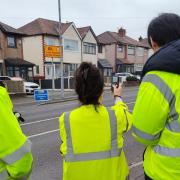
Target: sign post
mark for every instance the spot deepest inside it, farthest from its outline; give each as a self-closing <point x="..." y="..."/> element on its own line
<point x="60" y="44"/>
<point x="53" y="84"/>
<point x="41" y="95"/>
<point x="53" y="52"/>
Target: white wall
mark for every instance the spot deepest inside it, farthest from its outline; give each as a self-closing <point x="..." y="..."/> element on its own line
<point x="73" y="57"/>
<point x="33" y="51"/>
<point x="102" y="55"/>
<point x="89" y="38"/>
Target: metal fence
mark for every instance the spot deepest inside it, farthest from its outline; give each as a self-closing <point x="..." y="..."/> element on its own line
<point x="47" y="83"/>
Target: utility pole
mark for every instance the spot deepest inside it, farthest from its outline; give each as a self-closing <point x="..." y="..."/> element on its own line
<point x="60" y="45"/>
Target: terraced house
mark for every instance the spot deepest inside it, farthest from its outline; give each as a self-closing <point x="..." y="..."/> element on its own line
<point x="41" y="32"/>
<point x="89" y="44"/>
<point x="12" y="61"/>
<point x="123" y="53"/>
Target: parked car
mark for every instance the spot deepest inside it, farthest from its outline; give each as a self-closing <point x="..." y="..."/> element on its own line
<point x="124" y="75"/>
<point x="29" y="87"/>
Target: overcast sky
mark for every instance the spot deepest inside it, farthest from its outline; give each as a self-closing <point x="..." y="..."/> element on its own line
<point x="102" y="15"/>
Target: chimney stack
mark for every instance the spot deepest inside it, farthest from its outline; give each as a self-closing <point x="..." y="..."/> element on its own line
<point x="122" y="32"/>
<point x="140" y="38"/>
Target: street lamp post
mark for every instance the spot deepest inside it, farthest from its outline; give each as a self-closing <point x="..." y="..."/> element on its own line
<point x="60" y="45"/>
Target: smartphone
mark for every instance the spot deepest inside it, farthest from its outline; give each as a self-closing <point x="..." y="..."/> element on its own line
<point x="115" y="81"/>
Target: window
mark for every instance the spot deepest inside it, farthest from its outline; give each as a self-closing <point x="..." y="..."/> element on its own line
<point x="11" y="42"/>
<point x="120" y="48"/>
<point x="107" y="72"/>
<point x="89" y="48"/>
<point x="71" y="45"/>
<point x="51" y="41"/>
<point x="17" y="71"/>
<point x="131" y="50"/>
<point x="138" y="67"/>
<point x="10" y="71"/>
<point x="140" y="51"/>
<point x="30" y="72"/>
<point x="100" y="49"/>
<point x="37" y="69"/>
<point x="69" y="69"/>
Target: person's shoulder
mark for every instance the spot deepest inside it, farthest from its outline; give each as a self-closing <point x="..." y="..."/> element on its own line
<point x="2" y="84"/>
<point x="3" y="91"/>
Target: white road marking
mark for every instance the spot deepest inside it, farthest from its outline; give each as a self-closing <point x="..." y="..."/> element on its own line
<point x="130" y="102"/>
<point x="49" y="119"/>
<point x="44" y="120"/>
<point x="40" y="134"/>
<point x="135" y="165"/>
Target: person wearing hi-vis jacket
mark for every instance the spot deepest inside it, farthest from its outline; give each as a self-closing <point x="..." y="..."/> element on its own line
<point x="92" y="134"/>
<point x="156" y="115"/>
<point x="15" y="149"/>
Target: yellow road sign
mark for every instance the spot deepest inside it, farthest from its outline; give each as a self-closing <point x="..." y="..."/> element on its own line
<point x="53" y="51"/>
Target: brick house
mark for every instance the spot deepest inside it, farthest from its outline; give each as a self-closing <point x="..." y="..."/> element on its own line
<point x="122" y="52"/>
<point x="146" y="43"/>
<point x="11" y="54"/>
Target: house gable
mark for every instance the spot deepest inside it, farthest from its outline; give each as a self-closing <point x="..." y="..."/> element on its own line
<point x="90" y="38"/>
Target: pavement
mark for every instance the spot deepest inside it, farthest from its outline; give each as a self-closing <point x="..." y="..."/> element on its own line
<point x="55" y="96"/>
<point x="42" y="128"/>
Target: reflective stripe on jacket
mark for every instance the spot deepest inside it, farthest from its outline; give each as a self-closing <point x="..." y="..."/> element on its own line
<point x="92" y="143"/>
<point x="15" y="149"/>
<point x="156" y="123"/>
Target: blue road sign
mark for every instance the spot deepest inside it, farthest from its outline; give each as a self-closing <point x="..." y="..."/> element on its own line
<point x="41" y="95"/>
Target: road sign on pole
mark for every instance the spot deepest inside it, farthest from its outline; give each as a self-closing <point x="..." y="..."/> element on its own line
<point x="41" y="95"/>
<point x="53" y="51"/>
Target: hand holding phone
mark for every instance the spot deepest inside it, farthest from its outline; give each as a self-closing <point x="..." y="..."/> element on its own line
<point x="117" y="90"/>
<point x="115" y="82"/>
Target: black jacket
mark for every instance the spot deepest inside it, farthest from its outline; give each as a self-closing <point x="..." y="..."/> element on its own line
<point x="166" y="59"/>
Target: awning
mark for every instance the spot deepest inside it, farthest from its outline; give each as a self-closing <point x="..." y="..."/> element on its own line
<point x="123" y="61"/>
<point x="18" y="62"/>
<point x="104" y="63"/>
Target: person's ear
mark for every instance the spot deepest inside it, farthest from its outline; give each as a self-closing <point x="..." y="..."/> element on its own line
<point x="154" y="45"/>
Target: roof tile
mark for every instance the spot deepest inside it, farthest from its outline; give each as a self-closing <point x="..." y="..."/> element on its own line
<point x="44" y="26"/>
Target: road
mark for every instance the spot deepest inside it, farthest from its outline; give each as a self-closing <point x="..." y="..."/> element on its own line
<point x="42" y="128"/>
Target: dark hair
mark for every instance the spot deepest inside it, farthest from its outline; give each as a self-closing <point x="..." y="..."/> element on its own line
<point x="164" y="29"/>
<point x="88" y="83"/>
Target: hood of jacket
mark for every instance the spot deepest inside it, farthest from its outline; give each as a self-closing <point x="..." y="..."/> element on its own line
<point x="166" y="59"/>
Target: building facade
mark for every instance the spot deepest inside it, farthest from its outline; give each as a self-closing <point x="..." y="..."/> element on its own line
<point x="12" y="61"/>
<point x="42" y="32"/>
<point x="88" y="45"/>
<point x="123" y="53"/>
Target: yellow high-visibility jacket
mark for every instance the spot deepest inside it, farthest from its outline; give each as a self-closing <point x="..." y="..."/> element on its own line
<point x="156" y="123"/>
<point x="92" y="142"/>
<point x="15" y="149"/>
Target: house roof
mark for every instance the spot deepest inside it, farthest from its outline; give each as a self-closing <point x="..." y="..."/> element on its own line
<point x="18" y="62"/>
<point x="106" y="38"/>
<point x="145" y="42"/>
<point x="104" y="63"/>
<point x="44" y="26"/>
<point x="84" y="30"/>
<point x="124" y="61"/>
<point x="8" y="29"/>
<point x="113" y="37"/>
